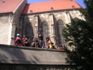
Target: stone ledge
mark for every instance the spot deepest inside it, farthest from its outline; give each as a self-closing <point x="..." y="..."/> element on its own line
<point x="19" y="55"/>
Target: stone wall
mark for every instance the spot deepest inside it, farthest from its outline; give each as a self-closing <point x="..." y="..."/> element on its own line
<point x="17" y="15"/>
<point x="16" y="18"/>
<point x="5" y="28"/>
<point x="8" y="24"/>
<point x="50" y="24"/>
<point x="28" y="55"/>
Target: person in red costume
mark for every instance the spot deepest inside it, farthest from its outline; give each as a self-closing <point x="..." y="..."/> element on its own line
<point x="25" y="41"/>
<point x="18" y="41"/>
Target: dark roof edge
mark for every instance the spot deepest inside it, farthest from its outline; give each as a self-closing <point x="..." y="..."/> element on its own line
<point x="6" y="13"/>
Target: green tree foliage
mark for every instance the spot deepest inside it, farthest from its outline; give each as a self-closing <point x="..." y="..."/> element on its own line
<point x="89" y="4"/>
<point x="82" y="37"/>
<point x="81" y="33"/>
<point x="89" y="9"/>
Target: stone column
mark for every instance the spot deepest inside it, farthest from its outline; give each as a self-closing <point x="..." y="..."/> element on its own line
<point x="6" y="29"/>
<point x="62" y="18"/>
<point x="25" y="21"/>
<point x="11" y="34"/>
<point x="48" y="26"/>
<point x="34" y="22"/>
<point x="51" y="28"/>
<point x="45" y="26"/>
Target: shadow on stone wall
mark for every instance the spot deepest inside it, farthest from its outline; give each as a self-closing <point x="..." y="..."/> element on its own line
<point x="10" y="55"/>
<point x="28" y="28"/>
<point x="16" y="56"/>
<point x="57" y="31"/>
<point x="24" y="55"/>
<point x="45" y="31"/>
<point x="40" y="26"/>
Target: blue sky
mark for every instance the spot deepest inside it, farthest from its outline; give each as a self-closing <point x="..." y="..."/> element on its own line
<point x="32" y="1"/>
<point x="81" y="2"/>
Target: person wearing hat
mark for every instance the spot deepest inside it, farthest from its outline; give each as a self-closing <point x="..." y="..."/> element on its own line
<point x="18" y="41"/>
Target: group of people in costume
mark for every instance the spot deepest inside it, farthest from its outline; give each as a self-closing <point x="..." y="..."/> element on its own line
<point x="36" y="42"/>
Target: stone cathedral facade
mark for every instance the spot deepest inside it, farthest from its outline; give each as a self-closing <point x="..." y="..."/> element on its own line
<point x="48" y="24"/>
<point x="48" y="18"/>
<point x="45" y="18"/>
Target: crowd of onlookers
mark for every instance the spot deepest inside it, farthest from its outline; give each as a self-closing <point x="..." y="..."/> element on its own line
<point x="36" y="42"/>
